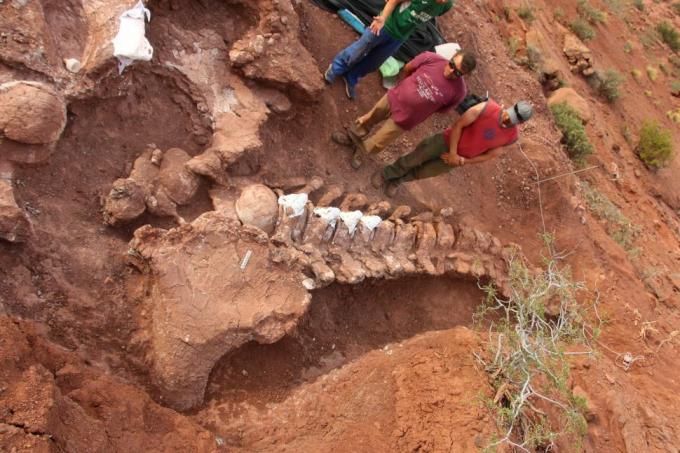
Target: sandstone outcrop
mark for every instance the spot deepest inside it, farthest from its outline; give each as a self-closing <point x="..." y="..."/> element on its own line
<point x="272" y="52"/>
<point x="579" y="55"/>
<point x="14" y="225"/>
<point x="573" y="100"/>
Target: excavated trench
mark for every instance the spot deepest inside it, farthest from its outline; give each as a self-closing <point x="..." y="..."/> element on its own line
<point x="92" y="300"/>
<point x="343" y="323"/>
<point x="72" y="275"/>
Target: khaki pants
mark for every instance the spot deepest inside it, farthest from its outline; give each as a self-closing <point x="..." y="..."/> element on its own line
<point x="387" y="133"/>
<point x="423" y="162"/>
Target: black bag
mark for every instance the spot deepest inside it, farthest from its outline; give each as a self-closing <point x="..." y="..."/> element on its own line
<point x="470" y="101"/>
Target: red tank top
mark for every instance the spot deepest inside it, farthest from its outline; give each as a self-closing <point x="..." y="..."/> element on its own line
<point x="485" y="133"/>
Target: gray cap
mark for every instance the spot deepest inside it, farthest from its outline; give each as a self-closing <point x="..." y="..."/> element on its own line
<point x="520" y="112"/>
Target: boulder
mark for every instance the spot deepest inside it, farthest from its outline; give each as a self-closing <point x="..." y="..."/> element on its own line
<point x="570" y="97"/>
<point x="258" y="206"/>
<point x="31" y="112"/>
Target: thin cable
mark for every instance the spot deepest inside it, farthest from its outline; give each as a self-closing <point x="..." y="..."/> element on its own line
<point x="569" y="173"/>
<point x="538" y="187"/>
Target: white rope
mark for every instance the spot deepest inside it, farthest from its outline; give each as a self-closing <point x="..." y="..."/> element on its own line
<point x="538" y="187"/>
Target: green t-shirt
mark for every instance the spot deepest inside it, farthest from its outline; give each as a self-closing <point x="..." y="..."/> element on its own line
<point x="409" y="14"/>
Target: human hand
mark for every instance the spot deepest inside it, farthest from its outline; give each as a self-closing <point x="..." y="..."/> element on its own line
<point x="452" y="160"/>
<point x="377" y="24"/>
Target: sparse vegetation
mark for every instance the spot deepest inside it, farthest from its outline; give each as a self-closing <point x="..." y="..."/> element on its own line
<point x="636" y="73"/>
<point x="590" y="13"/>
<point x="534" y="58"/>
<point x="618" y="226"/>
<point x="675" y="87"/>
<point x="526" y="12"/>
<point x="639" y="4"/>
<point x="628" y="47"/>
<point x="559" y="14"/>
<point x="669" y="35"/>
<point x="648" y="39"/>
<point x="526" y="361"/>
<point x="513" y="46"/>
<point x="574" y="135"/>
<point x="607" y="84"/>
<point x="676" y="7"/>
<point x="652" y="73"/>
<point x="582" y="29"/>
<point x="674" y="115"/>
<point x="655" y="147"/>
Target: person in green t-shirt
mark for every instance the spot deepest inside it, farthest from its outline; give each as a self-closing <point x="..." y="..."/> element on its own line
<point x="387" y="32"/>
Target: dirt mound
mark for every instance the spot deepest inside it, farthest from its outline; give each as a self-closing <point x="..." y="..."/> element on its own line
<point x="417" y="395"/>
<point x="52" y="401"/>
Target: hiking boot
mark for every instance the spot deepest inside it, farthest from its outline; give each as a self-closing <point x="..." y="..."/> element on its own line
<point x="341" y="138"/>
<point x="349" y="90"/>
<point x="356" y="139"/>
<point x="358" y="130"/>
<point x="357" y="159"/>
<point x="328" y="76"/>
<point x="378" y="180"/>
<point x="391" y="188"/>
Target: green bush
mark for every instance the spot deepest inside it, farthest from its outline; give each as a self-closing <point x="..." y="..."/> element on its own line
<point x="655" y="147"/>
<point x="582" y="29"/>
<point x="590" y="13"/>
<point x="639" y="4"/>
<point x="526" y="12"/>
<point x="669" y="35"/>
<point x="574" y="134"/>
<point x="607" y="84"/>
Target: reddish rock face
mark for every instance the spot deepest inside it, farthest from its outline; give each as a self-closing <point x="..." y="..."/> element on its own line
<point x="14" y="225"/>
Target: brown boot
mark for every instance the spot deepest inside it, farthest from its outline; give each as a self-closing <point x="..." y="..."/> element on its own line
<point x="356" y="140"/>
<point x="357" y="158"/>
<point x="341" y="138"/>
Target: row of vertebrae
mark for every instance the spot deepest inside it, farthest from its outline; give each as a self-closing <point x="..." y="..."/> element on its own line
<point x="349" y="251"/>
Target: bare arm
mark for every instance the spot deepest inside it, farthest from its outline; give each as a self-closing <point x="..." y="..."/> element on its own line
<point x="379" y="21"/>
<point x="470" y="116"/>
<point x="408" y="69"/>
<point x="484" y="157"/>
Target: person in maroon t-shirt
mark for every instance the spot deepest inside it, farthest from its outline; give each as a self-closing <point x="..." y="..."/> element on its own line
<point x="432" y="84"/>
<point x="477" y="136"/>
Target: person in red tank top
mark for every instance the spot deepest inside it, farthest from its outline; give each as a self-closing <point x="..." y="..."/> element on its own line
<point x="477" y="136"/>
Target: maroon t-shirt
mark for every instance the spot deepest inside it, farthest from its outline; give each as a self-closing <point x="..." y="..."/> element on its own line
<point x="424" y="92"/>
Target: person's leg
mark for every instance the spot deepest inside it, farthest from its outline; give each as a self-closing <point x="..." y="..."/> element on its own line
<point x="407" y="167"/>
<point x="350" y="55"/>
<point x="388" y="133"/>
<point x="375" y="57"/>
<point x="379" y="112"/>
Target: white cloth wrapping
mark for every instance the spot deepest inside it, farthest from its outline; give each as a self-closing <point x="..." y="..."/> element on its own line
<point x="130" y="43"/>
<point x="295" y="201"/>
